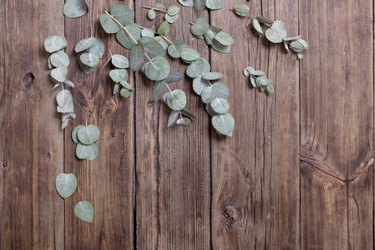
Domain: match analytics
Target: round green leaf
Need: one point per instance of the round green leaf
(84, 44)
(220, 106)
(136, 57)
(125, 39)
(211, 76)
(198, 67)
(173, 10)
(120, 61)
(74, 133)
(187, 3)
(157, 69)
(108, 24)
(164, 28)
(122, 14)
(75, 8)
(214, 4)
(89, 60)
(241, 10)
(151, 14)
(159, 6)
(118, 75)
(219, 47)
(224, 38)
(148, 32)
(171, 19)
(217, 90)
(59, 74)
(189, 54)
(152, 47)
(257, 26)
(64, 101)
(223, 124)
(263, 81)
(175, 49)
(98, 48)
(84, 210)
(199, 84)
(176, 100)
(162, 42)
(299, 46)
(87, 152)
(88, 134)
(66, 184)
(125, 92)
(55, 43)
(59, 59)
(277, 32)
(183, 122)
(200, 27)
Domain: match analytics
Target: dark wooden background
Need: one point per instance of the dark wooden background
(297, 174)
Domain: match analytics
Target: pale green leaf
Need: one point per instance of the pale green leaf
(74, 133)
(176, 100)
(189, 54)
(277, 32)
(55, 43)
(108, 24)
(241, 10)
(120, 61)
(59, 59)
(171, 19)
(214, 4)
(84, 210)
(84, 44)
(219, 105)
(59, 74)
(224, 38)
(186, 3)
(88, 134)
(164, 28)
(136, 58)
(175, 49)
(199, 84)
(66, 184)
(256, 26)
(183, 122)
(75, 8)
(173, 117)
(151, 14)
(173, 10)
(211, 76)
(157, 69)
(90, 60)
(118, 75)
(122, 14)
(200, 27)
(129, 36)
(223, 124)
(98, 48)
(64, 101)
(217, 90)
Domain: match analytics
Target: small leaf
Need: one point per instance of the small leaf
(224, 124)
(173, 117)
(59, 59)
(55, 43)
(189, 54)
(159, 6)
(199, 4)
(173, 10)
(224, 38)
(199, 84)
(217, 90)
(277, 32)
(136, 57)
(108, 24)
(88, 134)
(157, 69)
(84, 44)
(183, 122)
(90, 60)
(64, 101)
(125, 39)
(59, 74)
(186, 3)
(74, 133)
(175, 49)
(171, 19)
(123, 14)
(116, 88)
(219, 106)
(152, 48)
(148, 32)
(200, 27)
(66, 184)
(84, 210)
(263, 81)
(118, 75)
(87, 152)
(151, 14)
(241, 10)
(211, 76)
(214, 4)
(158, 90)
(75, 8)
(163, 28)
(125, 92)
(98, 48)
(257, 26)
(120, 61)
(176, 100)
(162, 42)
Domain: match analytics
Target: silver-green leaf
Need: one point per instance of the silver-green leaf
(66, 184)
(157, 69)
(55, 43)
(88, 134)
(223, 124)
(75, 8)
(84, 210)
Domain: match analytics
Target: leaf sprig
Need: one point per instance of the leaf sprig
(202, 4)
(259, 79)
(85, 136)
(58, 63)
(93, 50)
(171, 13)
(215, 37)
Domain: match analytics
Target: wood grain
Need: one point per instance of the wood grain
(337, 125)
(256, 187)
(108, 181)
(173, 164)
(31, 146)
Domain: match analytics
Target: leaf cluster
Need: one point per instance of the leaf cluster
(92, 50)
(171, 13)
(203, 4)
(85, 137)
(75, 8)
(259, 79)
(215, 37)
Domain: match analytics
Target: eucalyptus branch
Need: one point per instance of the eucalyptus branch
(122, 26)
(153, 8)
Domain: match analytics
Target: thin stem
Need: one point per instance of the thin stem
(191, 23)
(127, 32)
(180, 114)
(148, 58)
(169, 89)
(153, 8)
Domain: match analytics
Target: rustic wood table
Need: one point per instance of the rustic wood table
(297, 174)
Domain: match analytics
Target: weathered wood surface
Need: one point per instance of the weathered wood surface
(297, 174)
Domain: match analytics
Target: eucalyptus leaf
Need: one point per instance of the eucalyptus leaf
(59, 74)
(199, 84)
(126, 93)
(199, 4)
(69, 83)
(186, 3)
(108, 24)
(122, 14)
(148, 32)
(151, 14)
(55, 43)
(66, 118)
(89, 59)
(210, 34)
(118, 75)
(173, 10)
(189, 54)
(175, 49)
(129, 36)
(176, 100)
(88, 134)
(173, 117)
(159, 6)
(171, 19)
(162, 42)
(75, 8)
(263, 81)
(164, 28)
(277, 32)
(219, 105)
(84, 210)
(66, 184)
(214, 4)
(120, 61)
(64, 101)
(200, 27)
(220, 48)
(157, 69)
(217, 90)
(224, 38)
(183, 122)
(174, 77)
(195, 69)
(86, 152)
(211, 76)
(136, 58)
(264, 20)
(116, 88)
(74, 133)
(84, 44)
(59, 59)
(98, 48)
(152, 48)
(257, 26)
(223, 124)
(158, 90)
(241, 10)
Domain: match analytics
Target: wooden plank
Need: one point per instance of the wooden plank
(255, 173)
(108, 181)
(31, 148)
(173, 164)
(337, 124)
